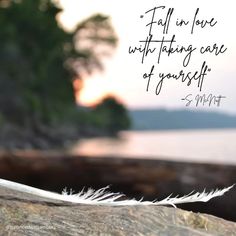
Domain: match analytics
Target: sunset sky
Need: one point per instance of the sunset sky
(123, 75)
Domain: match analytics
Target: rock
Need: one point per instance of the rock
(25, 214)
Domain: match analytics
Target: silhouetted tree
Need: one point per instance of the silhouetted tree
(111, 115)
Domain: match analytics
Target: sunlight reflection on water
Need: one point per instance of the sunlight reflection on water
(212, 146)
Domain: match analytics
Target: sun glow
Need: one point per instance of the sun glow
(77, 85)
(95, 90)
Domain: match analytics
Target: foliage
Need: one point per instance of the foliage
(111, 115)
(39, 60)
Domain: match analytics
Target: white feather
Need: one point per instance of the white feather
(104, 197)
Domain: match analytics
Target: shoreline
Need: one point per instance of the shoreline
(60, 154)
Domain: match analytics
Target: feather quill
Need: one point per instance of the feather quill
(104, 197)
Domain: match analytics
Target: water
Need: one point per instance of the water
(208, 146)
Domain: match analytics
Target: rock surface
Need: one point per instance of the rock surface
(24, 214)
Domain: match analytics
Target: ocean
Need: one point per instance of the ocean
(204, 146)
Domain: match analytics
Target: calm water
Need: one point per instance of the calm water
(212, 146)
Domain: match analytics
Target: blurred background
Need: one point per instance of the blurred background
(74, 111)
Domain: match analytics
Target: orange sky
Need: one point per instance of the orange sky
(123, 72)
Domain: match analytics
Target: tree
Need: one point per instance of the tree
(111, 115)
(39, 60)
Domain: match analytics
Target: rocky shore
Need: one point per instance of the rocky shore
(151, 179)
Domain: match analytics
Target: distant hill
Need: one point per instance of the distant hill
(156, 119)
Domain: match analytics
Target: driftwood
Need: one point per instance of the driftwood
(24, 214)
